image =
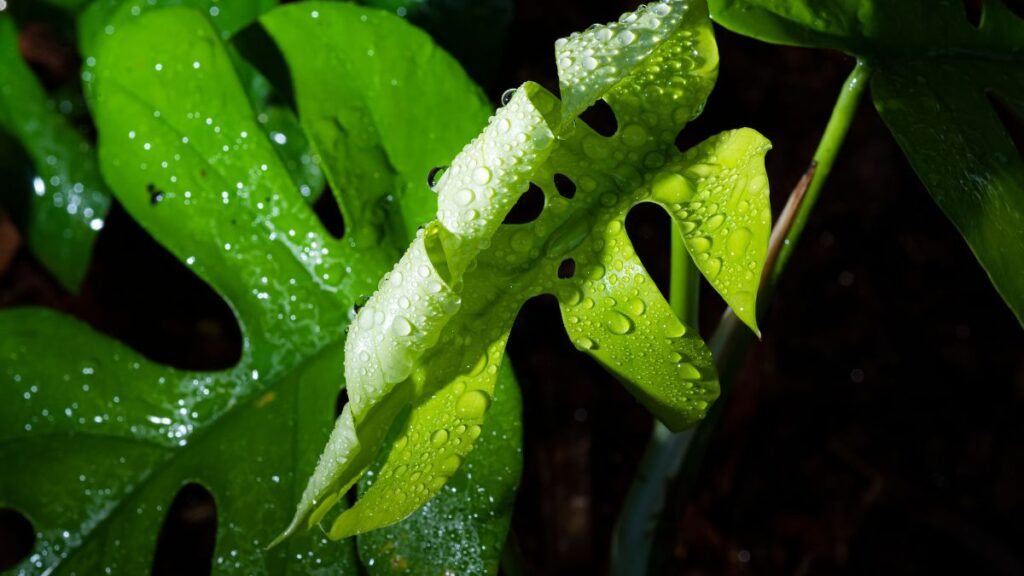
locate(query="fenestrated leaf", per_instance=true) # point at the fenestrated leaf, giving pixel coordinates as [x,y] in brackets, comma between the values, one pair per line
[933,76]
[67,202]
[362,142]
[424,352]
[104,437]
[102,19]
[359,121]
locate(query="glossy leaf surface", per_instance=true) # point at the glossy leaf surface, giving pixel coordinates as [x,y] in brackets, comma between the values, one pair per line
[423,354]
[104,437]
[471,30]
[937,82]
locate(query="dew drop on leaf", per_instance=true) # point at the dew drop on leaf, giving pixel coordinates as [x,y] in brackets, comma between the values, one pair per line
[473,404]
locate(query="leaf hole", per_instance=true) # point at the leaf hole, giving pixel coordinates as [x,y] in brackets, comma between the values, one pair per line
[1012,120]
[1015,6]
[340,402]
[649,228]
[565,186]
[189,533]
[139,293]
[567,269]
[257,47]
[601,118]
[17,538]
[327,210]
[528,208]
[973,10]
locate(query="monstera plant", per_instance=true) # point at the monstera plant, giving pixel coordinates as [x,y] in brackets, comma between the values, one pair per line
[191,148]
[423,354]
[199,147]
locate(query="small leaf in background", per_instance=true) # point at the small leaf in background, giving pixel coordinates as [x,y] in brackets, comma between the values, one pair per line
[938,82]
[68,200]
[103,437]
[424,353]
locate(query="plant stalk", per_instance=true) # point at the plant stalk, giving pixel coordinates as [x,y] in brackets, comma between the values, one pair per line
[637,525]
[644,533]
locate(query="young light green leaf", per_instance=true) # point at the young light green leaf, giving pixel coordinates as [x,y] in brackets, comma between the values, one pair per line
[68,200]
[104,437]
[935,79]
[424,352]
[438,539]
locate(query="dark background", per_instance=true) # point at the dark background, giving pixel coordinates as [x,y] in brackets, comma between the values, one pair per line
[876,429]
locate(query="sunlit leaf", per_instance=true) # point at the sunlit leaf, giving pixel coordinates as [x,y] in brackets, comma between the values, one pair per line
[423,354]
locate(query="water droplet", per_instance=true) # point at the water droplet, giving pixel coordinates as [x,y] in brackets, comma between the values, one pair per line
[636,306]
[482,175]
[473,404]
[634,135]
[506,97]
[714,222]
[439,437]
[688,371]
[584,343]
[589,62]
[450,465]
[700,244]
[738,241]
[712,268]
[465,197]
[618,323]
[671,188]
[434,176]
[401,327]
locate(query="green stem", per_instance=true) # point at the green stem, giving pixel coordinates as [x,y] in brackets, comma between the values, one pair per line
[636,527]
[642,540]
[824,157]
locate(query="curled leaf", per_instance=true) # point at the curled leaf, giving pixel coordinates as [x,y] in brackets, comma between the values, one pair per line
[423,354]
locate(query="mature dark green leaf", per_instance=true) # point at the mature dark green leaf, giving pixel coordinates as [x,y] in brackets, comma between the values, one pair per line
[68,200]
[104,437]
[934,78]
[473,31]
[360,116]
[102,18]
[426,348]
